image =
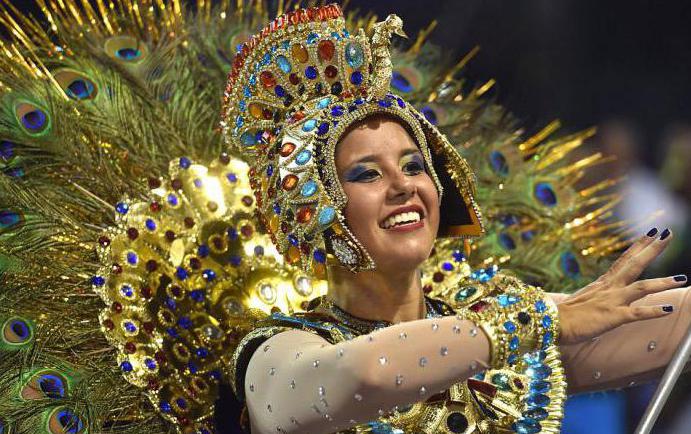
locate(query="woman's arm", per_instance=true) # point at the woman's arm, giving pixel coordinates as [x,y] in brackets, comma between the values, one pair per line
[631,353]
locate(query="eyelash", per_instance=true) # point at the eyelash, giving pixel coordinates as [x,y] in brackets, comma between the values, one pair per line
[412,167]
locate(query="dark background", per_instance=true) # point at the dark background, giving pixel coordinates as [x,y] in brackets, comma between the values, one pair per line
[587,63]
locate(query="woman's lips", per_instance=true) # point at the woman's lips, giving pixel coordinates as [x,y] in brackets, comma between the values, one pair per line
[407,227]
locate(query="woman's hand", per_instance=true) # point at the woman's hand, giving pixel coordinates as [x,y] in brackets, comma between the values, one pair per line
[606,303]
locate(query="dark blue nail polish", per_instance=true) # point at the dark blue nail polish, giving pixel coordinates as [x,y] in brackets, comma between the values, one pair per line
[680,278]
[652,232]
[668,308]
[664,234]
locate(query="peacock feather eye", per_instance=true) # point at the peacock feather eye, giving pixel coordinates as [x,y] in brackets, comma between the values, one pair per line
[126,49]
[545,194]
[406,79]
[10,219]
[498,162]
[46,384]
[569,265]
[75,85]
[65,421]
[435,114]
[32,118]
[17,331]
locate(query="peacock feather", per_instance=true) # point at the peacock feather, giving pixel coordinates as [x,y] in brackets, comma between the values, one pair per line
[131,258]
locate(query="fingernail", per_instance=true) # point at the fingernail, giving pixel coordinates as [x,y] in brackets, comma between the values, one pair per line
[652,232]
[680,278]
[664,234]
[668,308]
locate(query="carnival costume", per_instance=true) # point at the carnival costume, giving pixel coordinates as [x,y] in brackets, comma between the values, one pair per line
[127,301]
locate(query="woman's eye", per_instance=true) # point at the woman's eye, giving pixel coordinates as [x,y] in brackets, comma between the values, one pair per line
[367,175]
[413,167]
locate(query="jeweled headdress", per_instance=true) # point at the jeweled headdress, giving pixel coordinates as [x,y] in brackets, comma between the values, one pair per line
[293,91]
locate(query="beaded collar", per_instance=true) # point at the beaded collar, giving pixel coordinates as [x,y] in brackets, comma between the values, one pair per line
[362,326]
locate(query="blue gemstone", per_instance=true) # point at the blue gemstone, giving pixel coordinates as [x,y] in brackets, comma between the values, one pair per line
[526,427]
[303,157]
[197,295]
[98,281]
[465,293]
[150,363]
[336,36]
[383,102]
[540,306]
[126,366]
[209,275]
[498,163]
[545,194]
[170,302]
[231,177]
[547,339]
[447,266]
[535,358]
[537,400]
[130,327]
[323,128]
[279,91]
[269,170]
[354,54]
[546,321]
[536,413]
[203,251]
[311,72]
[356,78]
[293,239]
[312,38]
[326,216]
[235,260]
[540,386]
[320,256]
[247,91]
[538,372]
[513,343]
[197,183]
[202,352]
[185,162]
[128,53]
[258,251]
[248,139]
[172,332]
[172,199]
[569,265]
[309,188]
[506,241]
[512,359]
[400,83]
[122,207]
[215,375]
[359,101]
[323,103]
[239,121]
[132,258]
[232,234]
[192,367]
[510,327]
[337,110]
[458,256]
[181,273]
[309,125]
[150,224]
[283,64]
[185,322]
[346,33]
[430,114]
[400,102]
[242,105]
[505,300]
[277,208]
[127,290]
[380,428]
[266,59]
[165,407]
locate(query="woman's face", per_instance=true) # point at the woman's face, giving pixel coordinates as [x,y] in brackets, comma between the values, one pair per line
[393,205]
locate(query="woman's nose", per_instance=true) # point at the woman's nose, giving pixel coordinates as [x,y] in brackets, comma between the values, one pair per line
[402,186]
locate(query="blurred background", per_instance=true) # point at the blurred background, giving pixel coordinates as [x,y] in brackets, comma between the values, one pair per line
[623,66]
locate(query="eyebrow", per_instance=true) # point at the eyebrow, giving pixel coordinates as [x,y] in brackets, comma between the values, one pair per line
[373,158]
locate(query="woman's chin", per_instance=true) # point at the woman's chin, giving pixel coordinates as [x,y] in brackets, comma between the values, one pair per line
[399,259]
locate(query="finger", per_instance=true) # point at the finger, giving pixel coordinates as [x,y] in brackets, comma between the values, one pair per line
[635,248]
[642,288]
[643,313]
[633,267]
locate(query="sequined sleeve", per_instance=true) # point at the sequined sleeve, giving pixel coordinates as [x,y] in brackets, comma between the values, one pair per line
[300,382]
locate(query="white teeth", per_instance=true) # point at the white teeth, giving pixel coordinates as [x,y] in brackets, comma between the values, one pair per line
[404,217]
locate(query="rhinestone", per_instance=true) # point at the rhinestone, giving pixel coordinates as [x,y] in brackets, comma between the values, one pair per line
[293,420]
[251,387]
[382,360]
[652,345]
[354,54]
[322,391]
[272,371]
[268,407]
[435,327]
[473,332]
[423,362]
[444,351]
[399,379]
[328,417]
[340,352]
[473,365]
[403,336]
[292,384]
[381,412]
[266,348]
[457,329]
[423,391]
[298,354]
[597,375]
[315,363]
[357,397]
[370,338]
[267,293]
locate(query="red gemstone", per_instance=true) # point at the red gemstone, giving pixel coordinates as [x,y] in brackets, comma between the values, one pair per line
[326,50]
[246,231]
[170,235]
[146,292]
[189,222]
[153,384]
[331,71]
[427,289]
[247,200]
[518,383]
[117,307]
[304,214]
[104,241]
[479,306]
[287,149]
[130,347]
[108,323]
[155,207]
[305,248]
[267,114]
[271,192]
[160,357]
[182,420]
[116,269]
[284,227]
[268,80]
[176,291]
[195,264]
[294,79]
[176,184]
[224,158]
[482,387]
[289,182]
[154,182]
[438,277]
[132,234]
[148,327]
[151,265]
